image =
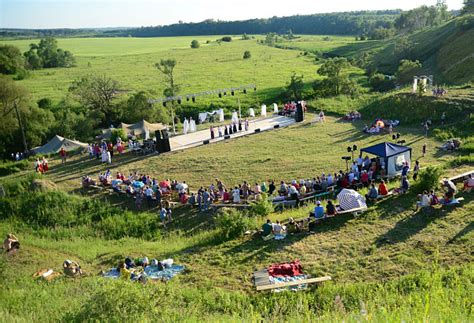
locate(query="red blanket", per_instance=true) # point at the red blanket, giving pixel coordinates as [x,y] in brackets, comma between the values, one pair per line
[285,269]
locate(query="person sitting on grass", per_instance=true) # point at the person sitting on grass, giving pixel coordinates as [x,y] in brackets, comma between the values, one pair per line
[469,183]
[330,209]
[449,189]
[279,229]
[11,242]
[71,268]
[424,201]
[383,188]
[373,193]
[318,211]
[267,228]
[433,198]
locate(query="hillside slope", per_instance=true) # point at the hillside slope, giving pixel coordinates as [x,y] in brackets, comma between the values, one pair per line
[447,51]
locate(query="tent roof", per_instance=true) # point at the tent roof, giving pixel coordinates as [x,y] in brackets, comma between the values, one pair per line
[137,129]
[58,142]
[385,149]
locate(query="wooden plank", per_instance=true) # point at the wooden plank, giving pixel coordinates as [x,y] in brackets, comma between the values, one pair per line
[294,283]
[361,209]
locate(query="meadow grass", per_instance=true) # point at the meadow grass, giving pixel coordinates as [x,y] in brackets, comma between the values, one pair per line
[131,61]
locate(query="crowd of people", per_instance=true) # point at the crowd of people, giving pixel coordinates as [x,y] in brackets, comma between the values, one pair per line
[353,115]
[380,125]
[439,91]
[104,150]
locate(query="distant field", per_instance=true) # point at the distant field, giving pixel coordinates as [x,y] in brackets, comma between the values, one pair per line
[130,61]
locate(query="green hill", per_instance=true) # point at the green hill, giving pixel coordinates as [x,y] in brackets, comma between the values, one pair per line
[446,51]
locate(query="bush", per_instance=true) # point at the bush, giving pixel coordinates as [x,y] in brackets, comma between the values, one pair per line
[232,223]
[116,133]
[13,167]
[261,208]
[247,54]
[226,38]
[428,179]
[195,44]
[379,83]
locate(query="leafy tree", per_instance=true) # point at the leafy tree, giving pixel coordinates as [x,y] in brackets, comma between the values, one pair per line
[11,60]
[335,70]
[406,70]
[96,92]
[294,88]
[47,54]
[166,67]
[195,44]
[404,48]
[137,108]
[382,33]
[13,99]
[245,37]
[247,54]
[468,7]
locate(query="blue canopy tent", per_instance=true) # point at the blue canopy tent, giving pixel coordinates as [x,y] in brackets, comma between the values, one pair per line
[393,156]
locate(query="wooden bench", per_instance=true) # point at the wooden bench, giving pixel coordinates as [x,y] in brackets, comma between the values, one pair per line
[284,203]
[461,177]
[354,212]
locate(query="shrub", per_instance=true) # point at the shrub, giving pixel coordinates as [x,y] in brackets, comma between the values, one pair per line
[226,38]
[379,83]
[428,179]
[232,223]
[13,167]
[261,208]
[247,54]
[116,133]
[195,44]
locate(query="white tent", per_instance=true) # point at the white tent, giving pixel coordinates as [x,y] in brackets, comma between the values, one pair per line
[350,199]
[58,142]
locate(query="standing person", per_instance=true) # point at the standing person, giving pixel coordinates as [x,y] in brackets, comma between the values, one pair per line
[163,216]
[443,118]
[234,128]
[37,163]
[246,125]
[236,195]
[149,196]
[427,128]
[226,130]
[219,130]
[199,200]
[271,188]
[321,116]
[90,148]
[206,198]
[168,214]
[212,132]
[45,165]
[423,150]
[240,125]
[416,169]
[63,155]
[405,169]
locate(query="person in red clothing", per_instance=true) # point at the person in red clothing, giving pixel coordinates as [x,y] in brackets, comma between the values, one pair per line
[226,196]
[63,155]
[364,178]
[383,188]
[345,182]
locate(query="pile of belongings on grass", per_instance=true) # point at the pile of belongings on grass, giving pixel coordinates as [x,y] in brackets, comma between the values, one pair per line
[286,272]
[351,116]
[380,124]
[141,269]
[451,144]
[70,269]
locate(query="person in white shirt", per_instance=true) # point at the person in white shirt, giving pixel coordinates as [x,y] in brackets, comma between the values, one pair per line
[149,195]
[329,179]
[236,195]
[425,200]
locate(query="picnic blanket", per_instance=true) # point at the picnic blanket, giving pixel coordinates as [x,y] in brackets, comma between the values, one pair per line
[277,280]
[167,273]
[150,272]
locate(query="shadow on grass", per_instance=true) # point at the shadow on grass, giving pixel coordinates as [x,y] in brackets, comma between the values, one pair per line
[468,228]
[410,226]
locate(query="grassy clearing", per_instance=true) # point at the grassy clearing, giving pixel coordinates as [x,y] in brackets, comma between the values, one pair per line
[212,66]
[300,151]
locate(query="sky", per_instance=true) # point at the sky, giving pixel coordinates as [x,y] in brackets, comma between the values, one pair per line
[135,13]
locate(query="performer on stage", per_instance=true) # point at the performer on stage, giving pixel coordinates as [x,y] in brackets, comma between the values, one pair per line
[212,132]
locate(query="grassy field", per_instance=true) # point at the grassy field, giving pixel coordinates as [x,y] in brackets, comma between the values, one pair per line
[130,61]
